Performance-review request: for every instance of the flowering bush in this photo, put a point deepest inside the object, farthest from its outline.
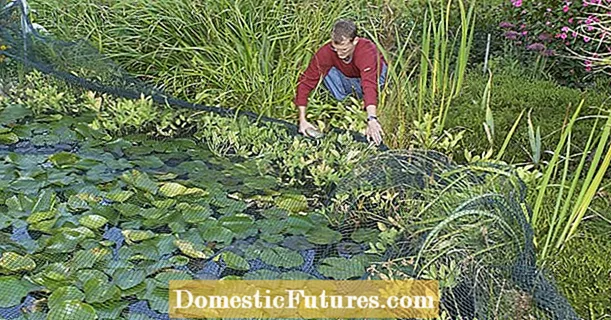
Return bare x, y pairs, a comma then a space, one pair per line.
577, 29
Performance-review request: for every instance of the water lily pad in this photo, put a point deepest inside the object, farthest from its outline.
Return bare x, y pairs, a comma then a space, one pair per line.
164, 204
194, 213
295, 275
64, 294
8, 138
281, 257
93, 221
163, 279
41, 216
128, 278
148, 162
292, 202
363, 235
299, 225
119, 195
14, 112
188, 248
63, 158
172, 189
72, 310
98, 290
340, 268
272, 238
241, 224
297, 243
262, 274
13, 290
138, 235
323, 236
14, 262
234, 261
140, 181
127, 209
218, 234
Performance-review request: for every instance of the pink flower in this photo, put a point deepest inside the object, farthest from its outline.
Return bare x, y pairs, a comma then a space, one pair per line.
536, 47
565, 29
565, 8
586, 39
516, 3
512, 35
571, 20
574, 34
590, 28
563, 36
524, 33
506, 24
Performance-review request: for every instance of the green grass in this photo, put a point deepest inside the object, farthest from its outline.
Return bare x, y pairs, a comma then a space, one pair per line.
583, 271
551, 105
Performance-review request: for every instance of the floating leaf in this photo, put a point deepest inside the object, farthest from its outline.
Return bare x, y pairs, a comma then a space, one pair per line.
148, 162
63, 158
172, 189
343, 269
14, 262
292, 202
138, 235
272, 238
281, 257
323, 236
41, 216
188, 248
364, 235
14, 112
164, 278
93, 221
140, 181
295, 275
8, 138
262, 274
98, 290
13, 290
297, 243
194, 213
218, 234
72, 310
64, 294
128, 278
119, 195
76, 203
238, 223
164, 204
234, 261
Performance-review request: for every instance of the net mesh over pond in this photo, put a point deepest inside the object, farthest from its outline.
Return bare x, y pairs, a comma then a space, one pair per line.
94, 227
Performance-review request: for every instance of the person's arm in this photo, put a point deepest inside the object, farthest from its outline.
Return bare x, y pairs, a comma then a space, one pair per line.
369, 63
317, 68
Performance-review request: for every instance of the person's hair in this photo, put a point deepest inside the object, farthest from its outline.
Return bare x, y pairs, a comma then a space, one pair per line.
343, 29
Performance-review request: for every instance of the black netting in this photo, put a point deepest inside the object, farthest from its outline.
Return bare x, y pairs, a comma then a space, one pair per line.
115, 219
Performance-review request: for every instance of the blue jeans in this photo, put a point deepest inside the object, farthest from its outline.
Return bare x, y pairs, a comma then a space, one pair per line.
341, 86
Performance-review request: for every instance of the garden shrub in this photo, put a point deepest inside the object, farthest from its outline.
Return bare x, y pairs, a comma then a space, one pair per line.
570, 33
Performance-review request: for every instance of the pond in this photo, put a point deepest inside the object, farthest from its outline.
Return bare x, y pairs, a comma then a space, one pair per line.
95, 226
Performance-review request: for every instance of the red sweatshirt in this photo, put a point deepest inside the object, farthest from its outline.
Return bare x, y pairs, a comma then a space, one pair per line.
364, 65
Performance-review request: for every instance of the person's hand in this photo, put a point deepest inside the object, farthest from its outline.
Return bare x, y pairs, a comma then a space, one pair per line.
374, 132
305, 125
